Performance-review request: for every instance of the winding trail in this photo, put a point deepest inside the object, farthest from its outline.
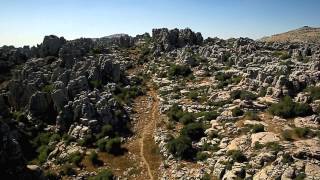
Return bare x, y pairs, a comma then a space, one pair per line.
147, 133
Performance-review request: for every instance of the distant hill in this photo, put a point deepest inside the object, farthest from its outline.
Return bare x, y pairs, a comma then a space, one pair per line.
305, 34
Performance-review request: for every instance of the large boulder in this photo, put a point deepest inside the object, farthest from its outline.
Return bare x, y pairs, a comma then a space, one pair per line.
40, 105
263, 138
11, 159
51, 45
169, 39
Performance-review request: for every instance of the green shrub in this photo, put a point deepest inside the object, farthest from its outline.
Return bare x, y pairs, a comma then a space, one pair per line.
86, 141
43, 151
243, 95
95, 83
237, 156
193, 130
258, 146
237, 112
300, 176
206, 176
179, 70
181, 147
201, 156
101, 143
302, 132
94, 159
287, 135
106, 130
286, 108
113, 145
314, 92
41, 139
48, 88
282, 54
287, 159
68, 170
187, 118
257, 128
126, 95
193, 95
175, 113
20, 116
67, 139
252, 115
208, 116
55, 138
103, 175
274, 146
51, 175
75, 158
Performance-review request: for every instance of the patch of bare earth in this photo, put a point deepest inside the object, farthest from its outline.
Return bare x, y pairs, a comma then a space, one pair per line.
142, 159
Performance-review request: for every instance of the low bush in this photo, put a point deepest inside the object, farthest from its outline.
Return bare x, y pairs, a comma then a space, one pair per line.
201, 156
48, 88
67, 139
252, 115
95, 83
287, 135
243, 95
193, 130
237, 112
187, 118
237, 156
287, 159
94, 159
257, 128
193, 95
43, 151
176, 70
103, 175
274, 146
258, 145
181, 147
101, 144
75, 158
106, 130
208, 116
314, 92
68, 170
302, 132
113, 146
286, 108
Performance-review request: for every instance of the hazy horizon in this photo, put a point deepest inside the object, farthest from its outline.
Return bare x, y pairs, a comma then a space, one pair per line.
27, 22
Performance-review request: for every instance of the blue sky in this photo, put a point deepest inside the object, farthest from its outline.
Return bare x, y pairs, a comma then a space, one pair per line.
26, 22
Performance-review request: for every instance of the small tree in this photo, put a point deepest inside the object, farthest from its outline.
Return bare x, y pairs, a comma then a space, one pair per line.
193, 130
181, 147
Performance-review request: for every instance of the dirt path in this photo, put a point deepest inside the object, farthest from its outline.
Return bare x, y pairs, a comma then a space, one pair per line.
147, 135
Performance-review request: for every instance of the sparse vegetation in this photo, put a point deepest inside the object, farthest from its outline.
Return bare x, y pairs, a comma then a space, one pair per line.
193, 130
103, 175
181, 147
286, 108
237, 156
176, 70
243, 95
237, 112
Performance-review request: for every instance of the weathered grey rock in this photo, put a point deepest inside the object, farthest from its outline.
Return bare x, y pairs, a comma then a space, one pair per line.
51, 45
11, 159
309, 148
77, 85
39, 104
263, 138
312, 171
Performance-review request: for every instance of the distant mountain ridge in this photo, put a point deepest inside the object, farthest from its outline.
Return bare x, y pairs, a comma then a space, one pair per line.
304, 34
